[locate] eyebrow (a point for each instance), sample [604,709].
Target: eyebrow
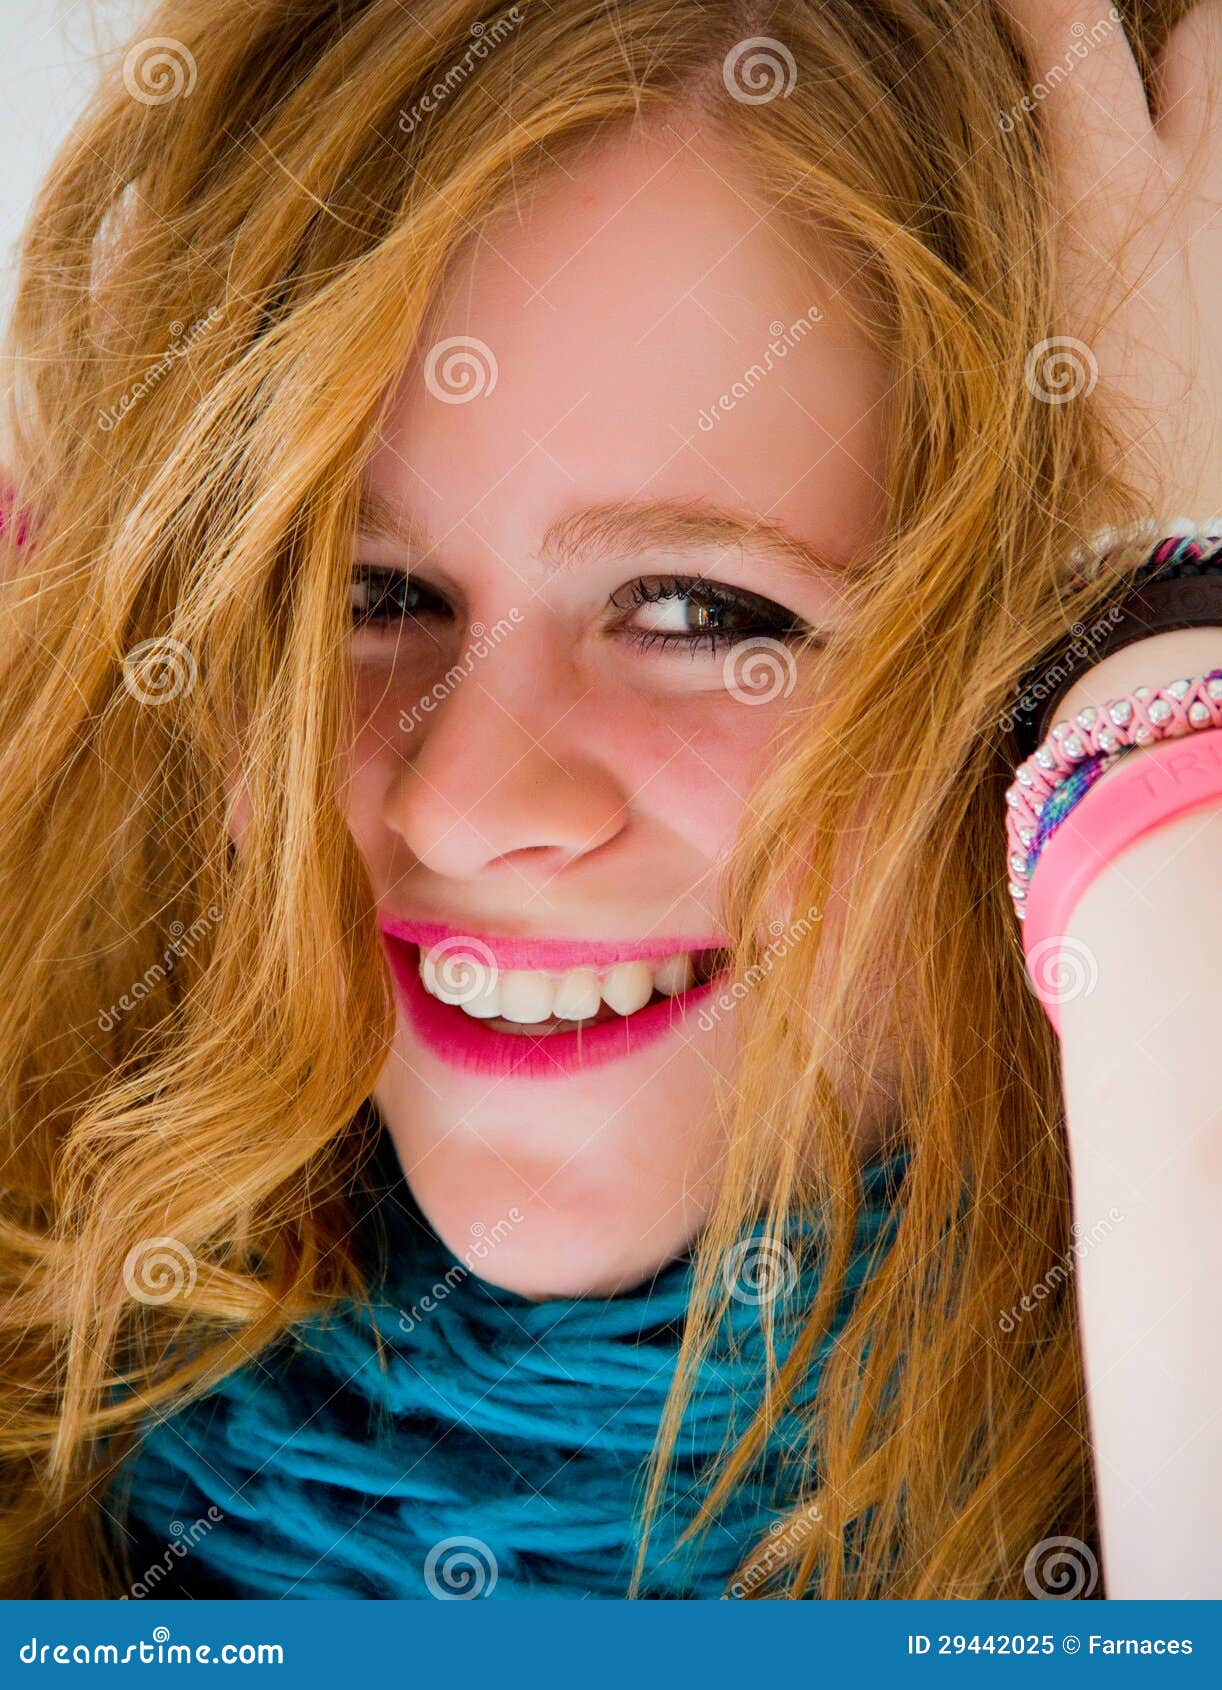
[629,525]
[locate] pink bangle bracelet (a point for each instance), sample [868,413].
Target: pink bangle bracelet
[1137,797]
[1139,718]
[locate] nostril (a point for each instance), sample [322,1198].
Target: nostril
[533,856]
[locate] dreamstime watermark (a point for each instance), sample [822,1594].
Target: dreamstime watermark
[159,1270]
[486,37]
[759,670]
[786,934]
[183,939]
[460,368]
[180,345]
[1060,1270]
[459,968]
[483,1241]
[1061,968]
[1060,369]
[460,1568]
[758,1270]
[182,1540]
[1084,41]
[758,70]
[782,339]
[160,1652]
[483,640]
[1079,650]
[159,69]
[158,670]
[787,1536]
[1061,1569]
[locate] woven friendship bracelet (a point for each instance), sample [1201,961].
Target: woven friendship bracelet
[1145,545]
[1067,797]
[1094,738]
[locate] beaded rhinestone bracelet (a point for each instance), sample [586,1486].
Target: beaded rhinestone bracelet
[1079,749]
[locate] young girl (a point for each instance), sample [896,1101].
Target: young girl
[528,530]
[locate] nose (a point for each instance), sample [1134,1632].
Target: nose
[509,772]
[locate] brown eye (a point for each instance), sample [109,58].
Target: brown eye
[683,612]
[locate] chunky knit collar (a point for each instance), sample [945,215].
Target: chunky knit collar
[498,1451]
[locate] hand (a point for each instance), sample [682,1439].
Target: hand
[1139,261]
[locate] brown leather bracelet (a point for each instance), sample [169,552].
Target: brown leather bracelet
[1167,602]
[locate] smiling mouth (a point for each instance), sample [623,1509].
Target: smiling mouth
[531,1009]
[541,1003]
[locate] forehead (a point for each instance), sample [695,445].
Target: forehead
[639,325]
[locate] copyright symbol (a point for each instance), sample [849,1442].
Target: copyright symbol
[1071,1644]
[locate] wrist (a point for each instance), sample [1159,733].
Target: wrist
[1148,662]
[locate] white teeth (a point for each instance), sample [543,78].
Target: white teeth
[675,974]
[462,980]
[528,996]
[487,1001]
[629,986]
[577,995]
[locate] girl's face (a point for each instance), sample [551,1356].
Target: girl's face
[636,446]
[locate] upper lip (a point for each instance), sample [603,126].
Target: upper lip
[514,952]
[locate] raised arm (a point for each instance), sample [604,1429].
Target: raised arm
[1141,1033]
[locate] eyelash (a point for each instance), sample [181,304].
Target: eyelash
[386,584]
[770,618]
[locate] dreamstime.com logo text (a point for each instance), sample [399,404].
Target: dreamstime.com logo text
[1084,40]
[180,345]
[182,1540]
[1079,650]
[782,339]
[786,1537]
[158,1652]
[483,1241]
[155,973]
[484,38]
[483,640]
[1060,1270]
[786,935]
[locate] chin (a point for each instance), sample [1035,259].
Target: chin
[559,1252]
[549,1197]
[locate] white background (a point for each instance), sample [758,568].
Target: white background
[50,55]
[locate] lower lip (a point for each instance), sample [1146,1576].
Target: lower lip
[464,1042]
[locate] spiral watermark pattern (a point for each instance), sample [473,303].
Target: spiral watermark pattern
[759,1269]
[758,670]
[460,369]
[1061,968]
[159,69]
[157,1270]
[1061,1569]
[1060,369]
[158,670]
[460,969]
[758,69]
[460,1568]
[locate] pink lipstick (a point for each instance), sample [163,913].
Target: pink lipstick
[473,1045]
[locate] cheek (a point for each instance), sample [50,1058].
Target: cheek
[378,750]
[694,759]
[687,760]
